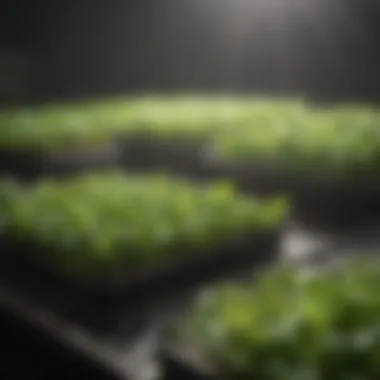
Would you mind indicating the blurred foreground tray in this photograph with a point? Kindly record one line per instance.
(307, 251)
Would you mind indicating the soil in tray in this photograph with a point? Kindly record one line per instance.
(107, 223)
(286, 326)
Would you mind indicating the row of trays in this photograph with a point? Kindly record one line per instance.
(32, 263)
(106, 244)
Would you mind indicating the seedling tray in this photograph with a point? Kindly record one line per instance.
(186, 361)
(24, 163)
(82, 298)
(176, 155)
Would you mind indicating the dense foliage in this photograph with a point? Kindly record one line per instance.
(54, 127)
(288, 134)
(112, 219)
(294, 327)
(335, 142)
(155, 117)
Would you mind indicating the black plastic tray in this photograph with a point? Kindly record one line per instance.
(179, 156)
(332, 205)
(32, 164)
(23, 270)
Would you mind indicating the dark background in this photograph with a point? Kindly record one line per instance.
(325, 48)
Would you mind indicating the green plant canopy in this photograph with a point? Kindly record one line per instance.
(117, 220)
(335, 142)
(289, 326)
(78, 123)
